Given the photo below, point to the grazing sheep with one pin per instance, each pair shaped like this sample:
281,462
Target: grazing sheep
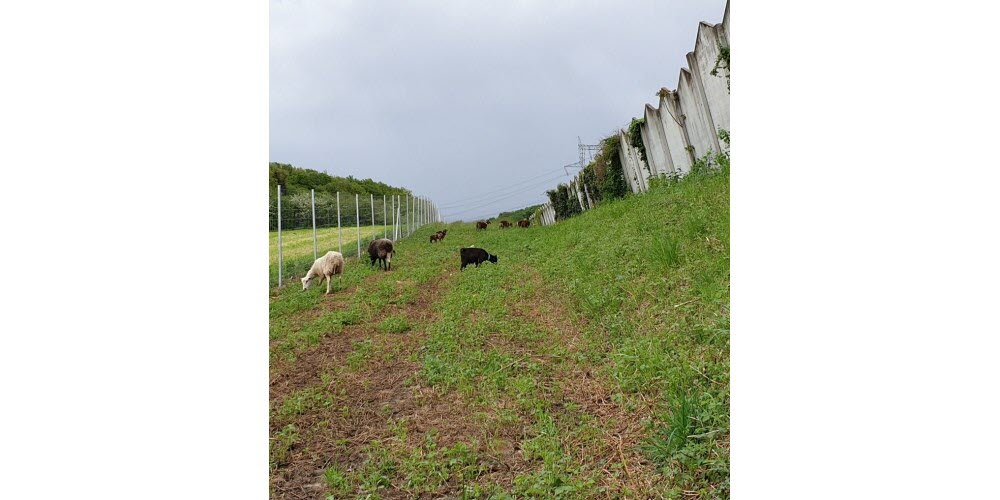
523,223
438,236
481,225
504,224
476,256
381,250
325,267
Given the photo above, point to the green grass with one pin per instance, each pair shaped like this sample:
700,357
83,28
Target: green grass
635,293
395,324
297,248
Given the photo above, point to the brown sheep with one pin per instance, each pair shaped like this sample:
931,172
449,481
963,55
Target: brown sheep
438,236
481,225
381,250
504,224
523,223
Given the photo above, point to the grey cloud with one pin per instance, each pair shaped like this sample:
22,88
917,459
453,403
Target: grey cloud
454,99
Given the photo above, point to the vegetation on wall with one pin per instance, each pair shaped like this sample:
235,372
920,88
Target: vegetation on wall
635,137
722,62
566,203
610,174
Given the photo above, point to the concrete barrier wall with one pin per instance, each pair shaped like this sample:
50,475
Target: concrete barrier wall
694,115
654,138
636,171
701,62
690,116
685,124
548,215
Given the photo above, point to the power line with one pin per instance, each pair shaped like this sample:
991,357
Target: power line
484,203
505,188
499,194
478,207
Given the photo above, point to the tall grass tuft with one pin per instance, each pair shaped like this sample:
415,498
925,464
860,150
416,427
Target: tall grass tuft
666,444
666,252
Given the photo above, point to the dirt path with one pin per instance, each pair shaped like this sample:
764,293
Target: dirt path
365,402
360,391
578,393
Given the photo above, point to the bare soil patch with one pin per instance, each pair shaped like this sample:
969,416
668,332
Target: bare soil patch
384,390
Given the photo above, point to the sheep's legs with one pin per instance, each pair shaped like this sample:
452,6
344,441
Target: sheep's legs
328,285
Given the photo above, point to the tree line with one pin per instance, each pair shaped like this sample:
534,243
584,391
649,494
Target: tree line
296,199
295,180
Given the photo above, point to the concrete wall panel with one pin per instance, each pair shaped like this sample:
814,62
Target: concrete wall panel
656,143
716,92
671,120
696,118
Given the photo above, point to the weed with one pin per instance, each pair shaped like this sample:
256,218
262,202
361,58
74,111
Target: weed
361,353
281,445
395,324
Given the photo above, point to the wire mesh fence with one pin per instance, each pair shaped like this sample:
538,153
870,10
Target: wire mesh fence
307,225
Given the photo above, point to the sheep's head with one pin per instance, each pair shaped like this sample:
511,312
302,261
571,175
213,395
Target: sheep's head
306,281
493,258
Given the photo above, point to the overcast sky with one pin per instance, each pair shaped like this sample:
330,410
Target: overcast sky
475,105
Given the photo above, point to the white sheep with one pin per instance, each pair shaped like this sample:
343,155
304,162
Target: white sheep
325,266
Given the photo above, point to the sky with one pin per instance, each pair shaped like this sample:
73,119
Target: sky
475,105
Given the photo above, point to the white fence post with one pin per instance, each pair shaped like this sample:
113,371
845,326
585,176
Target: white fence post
279,234
385,225
357,213
312,195
340,232
372,195
409,225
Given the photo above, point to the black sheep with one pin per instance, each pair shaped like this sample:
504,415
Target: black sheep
476,256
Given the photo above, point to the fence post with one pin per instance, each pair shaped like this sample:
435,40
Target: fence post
408,223
279,235
340,232
312,196
393,212
372,195
357,213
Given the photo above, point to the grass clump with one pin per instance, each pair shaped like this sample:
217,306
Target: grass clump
395,324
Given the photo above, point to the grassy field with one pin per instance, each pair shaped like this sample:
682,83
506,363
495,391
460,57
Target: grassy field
297,247
591,360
